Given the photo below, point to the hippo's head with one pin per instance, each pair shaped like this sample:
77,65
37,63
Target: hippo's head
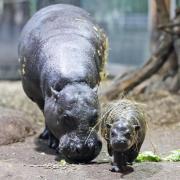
122,135
78,111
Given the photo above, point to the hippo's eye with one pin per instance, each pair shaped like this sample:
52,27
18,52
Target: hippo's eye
127,134
67,117
60,110
112,134
92,123
69,122
93,119
95,116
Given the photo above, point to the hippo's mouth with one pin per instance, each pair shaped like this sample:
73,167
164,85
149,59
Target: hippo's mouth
121,146
78,149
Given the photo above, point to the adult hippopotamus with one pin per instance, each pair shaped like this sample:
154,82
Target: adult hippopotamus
62,53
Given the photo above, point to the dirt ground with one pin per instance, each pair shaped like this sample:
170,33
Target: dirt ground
32,159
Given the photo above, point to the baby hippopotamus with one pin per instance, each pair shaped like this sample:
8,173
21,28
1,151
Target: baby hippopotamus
124,127
62,53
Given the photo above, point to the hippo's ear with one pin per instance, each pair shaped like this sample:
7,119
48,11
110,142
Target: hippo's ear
108,125
95,89
54,93
136,127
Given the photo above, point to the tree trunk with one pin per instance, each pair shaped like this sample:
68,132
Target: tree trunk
164,52
159,12
127,83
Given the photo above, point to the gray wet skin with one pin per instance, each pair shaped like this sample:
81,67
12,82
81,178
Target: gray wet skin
126,138
70,114
60,71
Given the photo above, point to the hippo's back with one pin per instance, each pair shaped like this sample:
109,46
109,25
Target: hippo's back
65,36
54,20
127,110
50,22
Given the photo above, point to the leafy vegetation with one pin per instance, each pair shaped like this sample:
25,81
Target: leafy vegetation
174,156
149,156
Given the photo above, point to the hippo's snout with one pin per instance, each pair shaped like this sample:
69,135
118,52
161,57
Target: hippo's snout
80,148
120,145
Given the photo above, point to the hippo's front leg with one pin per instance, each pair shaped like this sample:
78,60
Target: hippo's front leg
119,162
45,134
53,142
115,168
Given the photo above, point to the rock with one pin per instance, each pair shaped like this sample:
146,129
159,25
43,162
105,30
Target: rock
15,126
13,97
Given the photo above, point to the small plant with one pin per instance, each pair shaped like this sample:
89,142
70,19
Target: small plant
62,163
148,156
174,156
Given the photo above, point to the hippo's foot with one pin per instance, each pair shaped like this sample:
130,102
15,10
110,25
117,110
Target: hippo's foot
44,134
115,169
53,142
118,169
130,163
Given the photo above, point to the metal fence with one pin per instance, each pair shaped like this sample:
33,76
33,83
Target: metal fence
125,22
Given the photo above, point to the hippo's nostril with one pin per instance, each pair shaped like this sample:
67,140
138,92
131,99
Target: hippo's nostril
122,142
90,145
78,148
78,151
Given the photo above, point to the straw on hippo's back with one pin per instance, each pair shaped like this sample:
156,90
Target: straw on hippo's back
62,55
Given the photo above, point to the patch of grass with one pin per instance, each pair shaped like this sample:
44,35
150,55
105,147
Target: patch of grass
62,163
174,156
148,156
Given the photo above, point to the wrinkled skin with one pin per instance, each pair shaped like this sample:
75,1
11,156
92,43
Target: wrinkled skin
79,148
70,114
124,144
60,67
122,136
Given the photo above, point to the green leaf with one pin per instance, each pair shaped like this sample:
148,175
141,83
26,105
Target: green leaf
147,156
62,163
174,156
